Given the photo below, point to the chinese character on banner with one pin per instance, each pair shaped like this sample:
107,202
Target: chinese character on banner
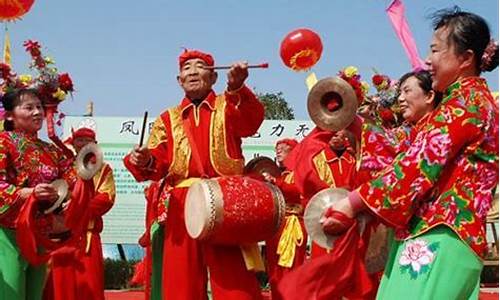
128,126
302,130
278,130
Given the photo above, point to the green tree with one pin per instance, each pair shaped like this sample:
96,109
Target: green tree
276,106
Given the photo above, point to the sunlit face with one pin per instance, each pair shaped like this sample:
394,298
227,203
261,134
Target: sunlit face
282,151
413,100
195,80
81,142
339,141
443,63
28,115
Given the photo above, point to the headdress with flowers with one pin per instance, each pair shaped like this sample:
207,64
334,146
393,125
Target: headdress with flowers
53,87
351,75
386,89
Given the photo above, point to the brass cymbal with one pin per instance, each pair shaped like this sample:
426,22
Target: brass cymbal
260,165
324,92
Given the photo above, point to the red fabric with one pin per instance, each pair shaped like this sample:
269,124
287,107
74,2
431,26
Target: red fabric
290,142
243,109
184,257
341,273
83,132
300,159
140,273
75,274
189,260
274,271
190,54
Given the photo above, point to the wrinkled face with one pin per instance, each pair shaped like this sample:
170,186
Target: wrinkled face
413,100
28,115
339,141
443,63
196,81
282,151
81,142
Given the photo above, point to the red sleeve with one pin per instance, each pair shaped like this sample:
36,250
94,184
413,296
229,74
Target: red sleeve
287,186
244,109
158,144
8,191
105,192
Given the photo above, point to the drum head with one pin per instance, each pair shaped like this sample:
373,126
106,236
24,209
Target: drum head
196,212
262,164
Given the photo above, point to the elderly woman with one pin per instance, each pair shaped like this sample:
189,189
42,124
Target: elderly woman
436,194
28,165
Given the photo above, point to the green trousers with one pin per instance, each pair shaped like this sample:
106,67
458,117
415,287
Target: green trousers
434,265
157,261
18,279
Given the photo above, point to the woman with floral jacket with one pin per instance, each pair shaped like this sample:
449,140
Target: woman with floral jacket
436,194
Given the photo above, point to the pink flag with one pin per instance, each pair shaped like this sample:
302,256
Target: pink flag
396,12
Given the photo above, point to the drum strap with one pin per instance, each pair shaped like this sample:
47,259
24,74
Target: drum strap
194,148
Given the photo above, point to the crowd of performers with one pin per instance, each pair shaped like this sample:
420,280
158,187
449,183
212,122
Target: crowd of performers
425,179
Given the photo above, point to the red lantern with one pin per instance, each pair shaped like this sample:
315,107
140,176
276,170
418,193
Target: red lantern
14,9
301,49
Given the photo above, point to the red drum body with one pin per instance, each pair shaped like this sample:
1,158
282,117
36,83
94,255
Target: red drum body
233,210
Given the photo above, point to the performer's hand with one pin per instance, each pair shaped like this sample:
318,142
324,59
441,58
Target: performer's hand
268,177
140,156
237,75
338,217
45,192
25,193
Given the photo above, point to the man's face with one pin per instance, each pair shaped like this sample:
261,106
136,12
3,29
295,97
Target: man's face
195,80
282,151
339,141
81,142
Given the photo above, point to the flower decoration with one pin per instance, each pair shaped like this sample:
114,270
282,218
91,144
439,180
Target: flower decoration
386,90
351,75
52,86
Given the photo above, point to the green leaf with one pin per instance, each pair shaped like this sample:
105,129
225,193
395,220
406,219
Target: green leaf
430,171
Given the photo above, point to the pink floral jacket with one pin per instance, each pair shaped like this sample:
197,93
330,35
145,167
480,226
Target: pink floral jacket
446,175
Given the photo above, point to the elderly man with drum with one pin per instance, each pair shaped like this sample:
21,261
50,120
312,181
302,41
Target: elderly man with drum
200,138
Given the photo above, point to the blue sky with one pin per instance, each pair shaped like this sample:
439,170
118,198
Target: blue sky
123,54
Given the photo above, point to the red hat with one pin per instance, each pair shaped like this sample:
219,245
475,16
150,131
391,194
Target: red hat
83,132
290,142
190,54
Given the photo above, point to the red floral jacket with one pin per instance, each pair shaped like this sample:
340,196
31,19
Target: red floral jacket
26,161
446,174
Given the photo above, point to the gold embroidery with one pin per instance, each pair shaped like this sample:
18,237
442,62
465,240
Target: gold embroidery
179,168
220,159
158,134
104,182
323,170
288,177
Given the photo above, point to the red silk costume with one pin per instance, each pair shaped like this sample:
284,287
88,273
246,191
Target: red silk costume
290,240
217,125
78,273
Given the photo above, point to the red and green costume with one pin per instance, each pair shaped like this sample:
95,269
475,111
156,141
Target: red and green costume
25,161
444,179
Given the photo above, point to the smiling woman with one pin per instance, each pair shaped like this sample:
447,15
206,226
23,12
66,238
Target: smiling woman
28,166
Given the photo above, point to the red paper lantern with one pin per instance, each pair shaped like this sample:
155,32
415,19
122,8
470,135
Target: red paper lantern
14,9
301,49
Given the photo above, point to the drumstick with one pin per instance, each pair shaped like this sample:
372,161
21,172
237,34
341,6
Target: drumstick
259,66
143,128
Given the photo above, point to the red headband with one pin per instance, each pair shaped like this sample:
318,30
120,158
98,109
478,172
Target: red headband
191,54
290,142
83,132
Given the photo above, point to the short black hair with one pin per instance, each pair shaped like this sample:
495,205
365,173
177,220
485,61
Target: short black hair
11,99
424,81
467,31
